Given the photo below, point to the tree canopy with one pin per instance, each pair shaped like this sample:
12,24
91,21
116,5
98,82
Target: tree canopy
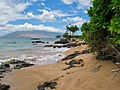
102,33
72,28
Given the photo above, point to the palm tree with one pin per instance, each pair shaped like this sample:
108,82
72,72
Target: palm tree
68,29
72,28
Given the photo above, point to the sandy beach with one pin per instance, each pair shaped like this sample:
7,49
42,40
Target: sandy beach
59,44
94,75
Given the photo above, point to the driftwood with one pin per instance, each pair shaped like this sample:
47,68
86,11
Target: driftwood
116,70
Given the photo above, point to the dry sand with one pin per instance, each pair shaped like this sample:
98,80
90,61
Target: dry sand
94,75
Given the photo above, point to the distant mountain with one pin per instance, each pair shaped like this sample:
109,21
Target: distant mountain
31,34
3,33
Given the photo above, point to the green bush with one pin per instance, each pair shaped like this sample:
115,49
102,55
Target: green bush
102,33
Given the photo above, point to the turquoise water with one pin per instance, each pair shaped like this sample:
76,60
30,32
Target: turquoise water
23,49
17,44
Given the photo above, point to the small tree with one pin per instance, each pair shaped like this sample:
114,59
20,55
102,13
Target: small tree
66,34
72,28
68,29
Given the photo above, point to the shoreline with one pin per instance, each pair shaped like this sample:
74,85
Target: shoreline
94,75
35,55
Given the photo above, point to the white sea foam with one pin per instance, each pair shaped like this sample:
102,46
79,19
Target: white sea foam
24,50
49,58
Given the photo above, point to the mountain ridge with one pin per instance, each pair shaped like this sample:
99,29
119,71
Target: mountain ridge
31,34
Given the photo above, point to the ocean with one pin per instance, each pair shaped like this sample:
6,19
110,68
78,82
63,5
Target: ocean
23,49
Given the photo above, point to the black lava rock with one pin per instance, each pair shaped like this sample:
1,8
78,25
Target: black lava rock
4,87
50,85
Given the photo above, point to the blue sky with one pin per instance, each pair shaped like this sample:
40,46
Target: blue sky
46,15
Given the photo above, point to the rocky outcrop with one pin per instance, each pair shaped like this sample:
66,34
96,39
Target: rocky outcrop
37,42
4,68
17,64
62,41
70,40
15,61
49,45
69,45
50,84
71,56
66,42
103,57
8,66
74,63
22,65
4,87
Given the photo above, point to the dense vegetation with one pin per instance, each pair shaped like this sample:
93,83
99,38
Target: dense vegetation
102,33
74,36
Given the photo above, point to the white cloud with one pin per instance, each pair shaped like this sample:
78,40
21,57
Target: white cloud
34,0
58,13
68,1
81,2
76,21
48,15
84,2
45,16
80,7
21,7
46,8
29,14
10,11
85,11
28,26
43,4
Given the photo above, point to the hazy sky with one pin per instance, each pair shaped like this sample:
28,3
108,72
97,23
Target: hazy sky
50,15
